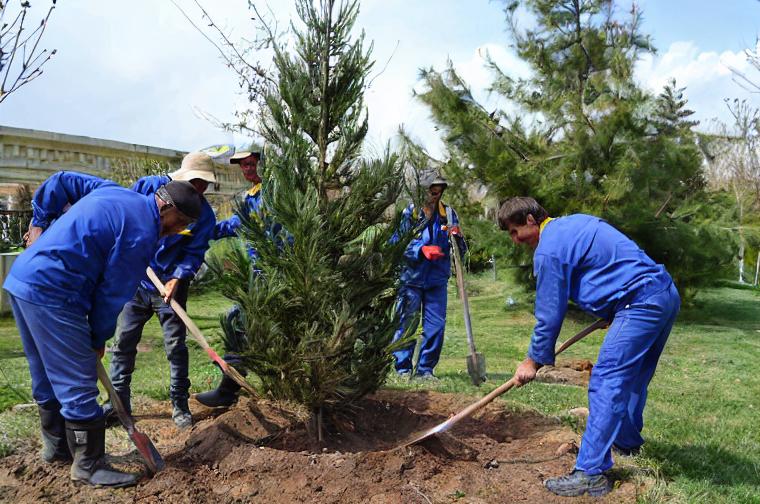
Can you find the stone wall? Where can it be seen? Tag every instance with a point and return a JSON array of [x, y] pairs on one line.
[[30, 156]]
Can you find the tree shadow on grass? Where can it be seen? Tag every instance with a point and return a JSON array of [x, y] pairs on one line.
[[706, 461], [712, 308]]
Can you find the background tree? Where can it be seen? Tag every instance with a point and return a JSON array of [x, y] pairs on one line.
[[21, 59], [318, 302], [585, 137], [733, 167]]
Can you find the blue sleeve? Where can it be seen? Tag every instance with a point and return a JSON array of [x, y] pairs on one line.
[[117, 286], [552, 295], [145, 185], [194, 252], [226, 228], [58, 191], [412, 252]]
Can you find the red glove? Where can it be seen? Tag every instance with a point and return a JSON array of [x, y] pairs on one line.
[[454, 230], [432, 252]]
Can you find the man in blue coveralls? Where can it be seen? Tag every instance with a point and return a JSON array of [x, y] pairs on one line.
[[584, 259], [226, 393], [176, 261], [66, 291], [425, 278]]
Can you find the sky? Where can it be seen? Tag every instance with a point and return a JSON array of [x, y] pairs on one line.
[[138, 72]]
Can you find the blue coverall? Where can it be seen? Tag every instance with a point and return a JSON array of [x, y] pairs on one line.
[[423, 283], [251, 203], [178, 256], [584, 259], [67, 289]]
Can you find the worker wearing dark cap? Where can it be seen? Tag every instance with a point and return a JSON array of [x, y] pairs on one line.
[[176, 261], [425, 278], [66, 291]]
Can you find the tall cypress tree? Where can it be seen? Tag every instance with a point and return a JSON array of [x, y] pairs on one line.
[[585, 137], [318, 301]]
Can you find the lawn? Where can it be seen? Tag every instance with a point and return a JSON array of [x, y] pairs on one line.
[[701, 420]]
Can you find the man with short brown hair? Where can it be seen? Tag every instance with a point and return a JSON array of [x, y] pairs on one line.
[[584, 259]]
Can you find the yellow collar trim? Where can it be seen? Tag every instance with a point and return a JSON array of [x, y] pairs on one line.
[[543, 224], [441, 209], [253, 191]]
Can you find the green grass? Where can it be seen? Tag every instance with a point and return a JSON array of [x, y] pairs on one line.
[[702, 421]]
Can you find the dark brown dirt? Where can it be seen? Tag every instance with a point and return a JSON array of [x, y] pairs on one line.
[[569, 372], [262, 453]]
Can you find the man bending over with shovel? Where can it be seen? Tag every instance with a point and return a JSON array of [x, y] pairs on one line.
[[176, 261], [66, 291], [584, 259]]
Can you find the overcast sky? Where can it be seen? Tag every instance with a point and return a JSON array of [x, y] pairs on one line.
[[138, 72]]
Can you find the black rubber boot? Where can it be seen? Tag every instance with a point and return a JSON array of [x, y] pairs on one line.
[[53, 429], [223, 396], [87, 441], [578, 483]]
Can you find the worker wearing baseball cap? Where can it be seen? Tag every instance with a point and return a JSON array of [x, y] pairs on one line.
[[425, 277]]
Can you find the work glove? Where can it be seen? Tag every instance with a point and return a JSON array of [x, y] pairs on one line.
[[432, 252], [454, 230]]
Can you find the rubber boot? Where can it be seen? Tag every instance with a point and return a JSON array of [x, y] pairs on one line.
[[181, 413], [223, 396], [53, 429], [87, 441]]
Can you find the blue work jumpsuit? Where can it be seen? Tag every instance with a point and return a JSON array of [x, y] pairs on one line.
[[584, 259], [177, 256], [423, 284], [67, 289]]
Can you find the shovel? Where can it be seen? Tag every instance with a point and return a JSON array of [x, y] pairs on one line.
[[472, 408], [196, 333], [476, 362], [142, 442]]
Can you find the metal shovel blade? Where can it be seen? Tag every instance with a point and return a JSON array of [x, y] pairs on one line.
[[476, 368], [148, 450], [144, 445]]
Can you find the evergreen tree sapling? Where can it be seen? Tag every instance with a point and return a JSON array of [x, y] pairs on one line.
[[318, 304]]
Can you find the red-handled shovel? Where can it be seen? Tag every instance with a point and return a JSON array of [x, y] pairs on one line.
[[142, 442], [196, 333]]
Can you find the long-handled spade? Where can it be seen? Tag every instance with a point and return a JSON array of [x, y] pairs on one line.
[[142, 442], [472, 408], [196, 333], [476, 362]]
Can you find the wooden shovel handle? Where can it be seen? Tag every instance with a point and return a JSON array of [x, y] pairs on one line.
[[198, 335], [501, 389], [118, 406]]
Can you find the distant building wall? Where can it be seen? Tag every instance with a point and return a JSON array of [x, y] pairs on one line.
[[30, 156]]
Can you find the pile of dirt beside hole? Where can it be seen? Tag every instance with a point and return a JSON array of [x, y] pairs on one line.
[[567, 372], [257, 452]]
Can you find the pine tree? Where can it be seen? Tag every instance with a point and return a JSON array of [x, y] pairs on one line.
[[318, 303], [585, 137]]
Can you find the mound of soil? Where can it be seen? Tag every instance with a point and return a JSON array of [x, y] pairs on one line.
[[570, 372], [258, 452]]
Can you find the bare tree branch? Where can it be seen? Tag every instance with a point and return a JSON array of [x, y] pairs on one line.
[[20, 62]]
